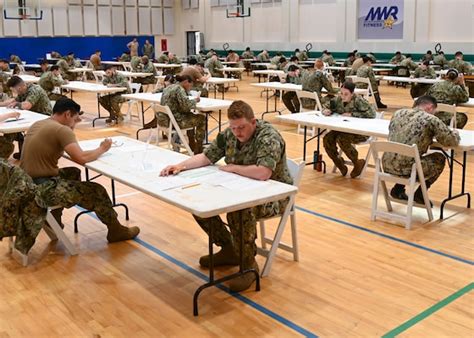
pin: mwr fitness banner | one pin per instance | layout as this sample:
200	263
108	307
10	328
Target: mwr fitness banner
380	19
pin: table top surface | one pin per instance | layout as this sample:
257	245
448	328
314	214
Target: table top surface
220	80
204	192
204	104
411	80
368	127
268	72
92	87
29	78
167	65
27	118
80	70
293	87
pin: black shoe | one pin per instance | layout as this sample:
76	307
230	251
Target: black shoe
380	105
398	192
16	156
418	198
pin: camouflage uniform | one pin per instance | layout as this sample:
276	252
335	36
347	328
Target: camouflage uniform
149	51
213	66
3	85
397	59
290	99
125	57
427	57
48	82
408	62
111	102
174	60
415	126
144	68
176	98
315	81
302	56
329	59
450	93
367	72
462	66
6	145
247	55
372	57
440	59
263	57
358	107
419	89
38	98
22	211
265	148
64	66
15	59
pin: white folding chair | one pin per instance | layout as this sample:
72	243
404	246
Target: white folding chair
98	75
368	93
172	127
54	232
135	87
296	172
411	183
449	109
368	142
308	95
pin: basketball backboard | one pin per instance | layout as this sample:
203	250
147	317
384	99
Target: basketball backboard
22	10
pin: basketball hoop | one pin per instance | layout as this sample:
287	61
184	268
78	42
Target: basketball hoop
239	11
22	10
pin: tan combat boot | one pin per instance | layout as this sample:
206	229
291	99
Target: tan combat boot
119	233
226	256
244	282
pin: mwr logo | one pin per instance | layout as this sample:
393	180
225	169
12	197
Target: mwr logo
383	17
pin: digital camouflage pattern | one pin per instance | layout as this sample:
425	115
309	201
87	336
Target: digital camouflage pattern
64	66
367	72
450	93
48	81
428	73
396	59
4	77
263	57
22	211
247	55
409	63
302	56
329	59
440	59
6	145
214	67
461	65
148	50
419	89
358	107
315	81
415	126
111	102
125	57
144	68
38	98
265	148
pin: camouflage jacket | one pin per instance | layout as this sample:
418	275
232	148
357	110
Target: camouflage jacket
275	60
136	64
315	81
357	106
63	66
148	50
163	58
302	56
176	98
367	72
213	66
48	81
15	59
329	59
22	212
294	79
448	92
263	57
125	57
174	60
38	98
427	73
415	126
247	55
440	59
372	57
117	79
408	63
265	148
397	59
427	57
3	83
461	65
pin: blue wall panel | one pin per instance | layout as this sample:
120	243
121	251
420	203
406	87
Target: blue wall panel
30	49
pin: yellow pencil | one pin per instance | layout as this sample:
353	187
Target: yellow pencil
191	185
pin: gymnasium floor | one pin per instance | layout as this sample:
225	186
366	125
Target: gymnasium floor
355	277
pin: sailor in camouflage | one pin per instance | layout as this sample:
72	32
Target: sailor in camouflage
125	57
451	91
5	92
314	81
65	64
263	56
29	97
290	99
427	57
440	60
423	71
418	126
176	98
366	71
408	62
328	58
50	80
214	66
144	66
251	148
247	54
148	50
397	58
111	102
458	63
347	104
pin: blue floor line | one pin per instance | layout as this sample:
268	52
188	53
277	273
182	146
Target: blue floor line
205	278
240	297
373	232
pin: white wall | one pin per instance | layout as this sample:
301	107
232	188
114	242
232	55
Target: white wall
329	24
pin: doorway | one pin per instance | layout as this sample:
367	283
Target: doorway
193	42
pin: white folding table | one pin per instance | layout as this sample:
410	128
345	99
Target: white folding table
210	192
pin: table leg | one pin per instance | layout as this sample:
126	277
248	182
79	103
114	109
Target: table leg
241	272
98	110
463	192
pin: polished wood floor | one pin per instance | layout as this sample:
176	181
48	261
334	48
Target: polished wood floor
355	277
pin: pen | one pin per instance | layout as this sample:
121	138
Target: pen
191	185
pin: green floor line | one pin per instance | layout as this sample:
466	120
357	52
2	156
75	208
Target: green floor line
405	326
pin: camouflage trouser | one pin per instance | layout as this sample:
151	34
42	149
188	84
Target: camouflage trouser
6	145
56	97
196	136
111	103
68	190
461	118
345	141
431	164
290	99
222	236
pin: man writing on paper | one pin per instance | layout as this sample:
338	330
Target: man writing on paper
251	148
45	143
